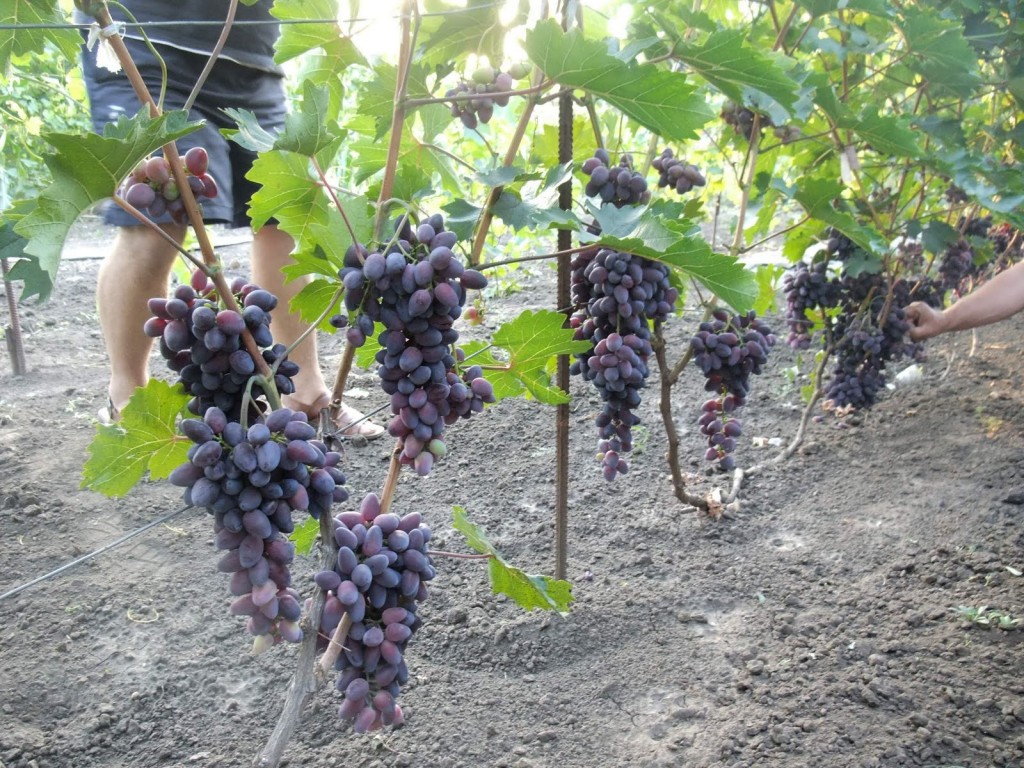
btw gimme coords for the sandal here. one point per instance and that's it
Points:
(108, 415)
(353, 424)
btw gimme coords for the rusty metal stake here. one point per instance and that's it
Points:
(12, 332)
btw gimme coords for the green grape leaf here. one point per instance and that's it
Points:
(249, 134)
(504, 175)
(377, 95)
(729, 64)
(661, 101)
(530, 341)
(12, 245)
(535, 206)
(307, 130)
(822, 7)
(297, 39)
(673, 243)
(17, 40)
(146, 438)
(476, 28)
(86, 169)
(817, 196)
(768, 277)
(526, 590)
(938, 235)
(885, 133)
(519, 214)
(304, 536)
(289, 193)
(462, 217)
(313, 299)
(940, 52)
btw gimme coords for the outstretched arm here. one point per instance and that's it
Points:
(996, 300)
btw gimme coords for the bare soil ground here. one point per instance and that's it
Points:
(815, 627)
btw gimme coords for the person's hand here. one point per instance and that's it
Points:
(925, 321)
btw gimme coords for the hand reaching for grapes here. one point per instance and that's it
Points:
(925, 321)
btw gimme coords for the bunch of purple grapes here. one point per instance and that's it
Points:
(152, 188)
(677, 174)
(416, 287)
(869, 332)
(617, 295)
(203, 344)
(807, 289)
(250, 480)
(484, 83)
(742, 120)
(957, 264)
(838, 246)
(380, 576)
(864, 320)
(619, 185)
(728, 349)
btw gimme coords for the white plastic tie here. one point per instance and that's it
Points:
(105, 56)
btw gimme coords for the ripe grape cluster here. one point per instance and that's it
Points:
(250, 480)
(483, 83)
(677, 174)
(957, 264)
(380, 575)
(728, 349)
(807, 288)
(617, 295)
(864, 320)
(870, 332)
(416, 287)
(838, 246)
(742, 120)
(619, 185)
(152, 188)
(249, 466)
(203, 344)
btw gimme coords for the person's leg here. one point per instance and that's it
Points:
(135, 270)
(271, 253)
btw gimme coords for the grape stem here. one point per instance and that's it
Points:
(798, 438)
(341, 210)
(311, 329)
(217, 48)
(666, 382)
(387, 495)
(487, 215)
(460, 555)
(145, 220)
(408, 34)
(341, 379)
(539, 256)
(305, 680)
(335, 645)
(425, 100)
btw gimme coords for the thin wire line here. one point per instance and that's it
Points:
(247, 23)
(106, 548)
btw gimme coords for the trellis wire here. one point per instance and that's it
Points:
(242, 23)
(84, 558)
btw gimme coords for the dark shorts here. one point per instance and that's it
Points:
(229, 85)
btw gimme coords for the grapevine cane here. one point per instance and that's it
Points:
(15, 346)
(304, 682)
(563, 300)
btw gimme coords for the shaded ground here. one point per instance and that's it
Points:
(814, 628)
